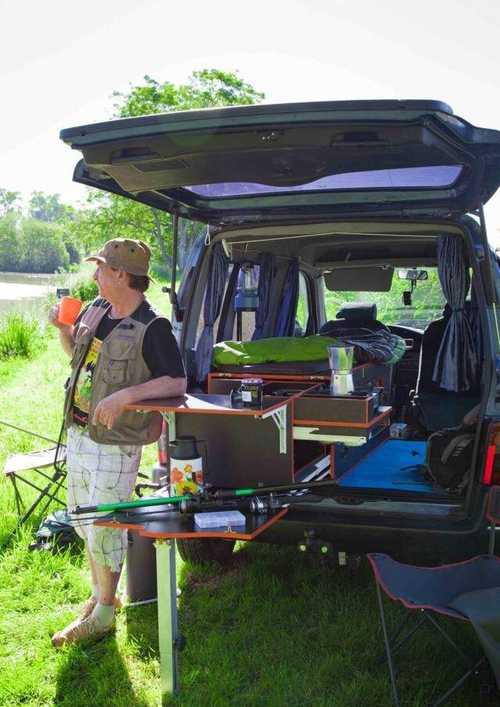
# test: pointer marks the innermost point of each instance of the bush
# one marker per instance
(20, 336)
(85, 290)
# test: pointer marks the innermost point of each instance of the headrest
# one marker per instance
(358, 312)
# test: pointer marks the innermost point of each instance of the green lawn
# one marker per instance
(274, 628)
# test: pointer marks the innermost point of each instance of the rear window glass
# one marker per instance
(403, 178)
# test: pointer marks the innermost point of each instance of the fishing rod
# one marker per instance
(211, 499)
(29, 432)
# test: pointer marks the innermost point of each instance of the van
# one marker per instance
(357, 225)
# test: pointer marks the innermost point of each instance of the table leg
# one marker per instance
(168, 627)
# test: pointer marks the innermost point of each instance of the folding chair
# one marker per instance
(473, 585)
(48, 467)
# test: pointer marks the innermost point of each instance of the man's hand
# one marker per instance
(110, 408)
(65, 330)
(54, 318)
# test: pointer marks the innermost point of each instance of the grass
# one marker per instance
(274, 628)
(20, 336)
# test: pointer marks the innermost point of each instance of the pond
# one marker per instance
(27, 293)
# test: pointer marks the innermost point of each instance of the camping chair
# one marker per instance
(44, 471)
(468, 591)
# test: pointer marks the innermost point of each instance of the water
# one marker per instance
(27, 293)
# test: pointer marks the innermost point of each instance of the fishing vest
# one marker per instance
(120, 364)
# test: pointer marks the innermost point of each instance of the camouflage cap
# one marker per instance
(125, 254)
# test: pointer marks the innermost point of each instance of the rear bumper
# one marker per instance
(428, 545)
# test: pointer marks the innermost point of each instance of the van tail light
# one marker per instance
(491, 469)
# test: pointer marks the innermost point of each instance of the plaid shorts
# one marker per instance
(100, 473)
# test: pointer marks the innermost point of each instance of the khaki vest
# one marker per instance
(120, 364)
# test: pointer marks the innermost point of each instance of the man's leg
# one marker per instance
(107, 581)
(113, 472)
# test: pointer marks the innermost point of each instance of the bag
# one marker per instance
(448, 457)
(55, 532)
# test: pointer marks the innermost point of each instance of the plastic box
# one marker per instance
(219, 519)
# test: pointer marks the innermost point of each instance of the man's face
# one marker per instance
(110, 281)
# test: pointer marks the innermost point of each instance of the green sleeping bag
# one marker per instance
(380, 347)
(279, 349)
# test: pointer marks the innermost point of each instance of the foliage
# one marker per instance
(84, 290)
(43, 242)
(19, 336)
(48, 207)
(204, 89)
(11, 254)
(109, 216)
(43, 247)
(9, 201)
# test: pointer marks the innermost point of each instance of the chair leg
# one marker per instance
(17, 495)
(388, 648)
(54, 496)
(45, 493)
(452, 643)
(459, 683)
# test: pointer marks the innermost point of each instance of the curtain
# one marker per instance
(285, 321)
(214, 294)
(455, 360)
(474, 317)
(226, 321)
(267, 273)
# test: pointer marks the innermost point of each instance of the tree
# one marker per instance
(109, 216)
(48, 207)
(43, 247)
(9, 201)
(204, 89)
(10, 247)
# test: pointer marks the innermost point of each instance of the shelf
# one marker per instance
(154, 523)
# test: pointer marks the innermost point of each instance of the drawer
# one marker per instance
(313, 410)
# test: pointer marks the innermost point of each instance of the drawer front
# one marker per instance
(330, 409)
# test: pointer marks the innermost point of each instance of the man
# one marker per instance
(121, 351)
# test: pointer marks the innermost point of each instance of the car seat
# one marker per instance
(352, 317)
(436, 408)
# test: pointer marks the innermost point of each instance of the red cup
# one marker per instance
(69, 308)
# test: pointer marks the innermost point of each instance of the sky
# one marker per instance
(61, 62)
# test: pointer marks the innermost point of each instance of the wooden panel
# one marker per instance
(346, 428)
(171, 524)
(334, 409)
(240, 451)
(200, 404)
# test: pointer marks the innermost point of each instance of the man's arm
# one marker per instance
(111, 407)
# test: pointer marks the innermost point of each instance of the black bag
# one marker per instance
(55, 532)
(449, 457)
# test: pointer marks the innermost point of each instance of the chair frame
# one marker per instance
(394, 643)
(51, 491)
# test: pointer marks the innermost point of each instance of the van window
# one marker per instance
(427, 303)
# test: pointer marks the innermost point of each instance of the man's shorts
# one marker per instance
(100, 473)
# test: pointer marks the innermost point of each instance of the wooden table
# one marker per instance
(165, 526)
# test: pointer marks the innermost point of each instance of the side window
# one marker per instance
(191, 245)
(303, 307)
